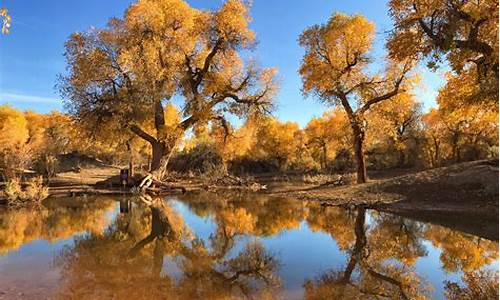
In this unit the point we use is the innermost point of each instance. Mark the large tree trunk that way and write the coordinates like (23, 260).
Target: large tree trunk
(402, 158)
(161, 157)
(359, 246)
(158, 152)
(130, 159)
(324, 157)
(161, 148)
(359, 138)
(437, 153)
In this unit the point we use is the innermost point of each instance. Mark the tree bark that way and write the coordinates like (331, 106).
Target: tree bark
(158, 152)
(161, 157)
(130, 159)
(402, 158)
(161, 149)
(437, 153)
(324, 156)
(359, 138)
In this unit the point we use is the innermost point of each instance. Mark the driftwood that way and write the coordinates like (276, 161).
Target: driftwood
(337, 182)
(228, 182)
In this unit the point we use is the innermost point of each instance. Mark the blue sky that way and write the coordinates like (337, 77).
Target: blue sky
(31, 56)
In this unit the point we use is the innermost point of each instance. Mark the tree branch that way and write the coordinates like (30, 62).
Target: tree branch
(388, 95)
(141, 133)
(389, 280)
(159, 115)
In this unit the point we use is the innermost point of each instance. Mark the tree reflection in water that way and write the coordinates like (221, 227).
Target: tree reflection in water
(382, 254)
(149, 252)
(365, 275)
(140, 253)
(61, 219)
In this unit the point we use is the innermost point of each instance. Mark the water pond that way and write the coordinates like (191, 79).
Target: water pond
(214, 247)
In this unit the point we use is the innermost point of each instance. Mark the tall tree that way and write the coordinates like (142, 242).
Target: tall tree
(327, 135)
(435, 134)
(397, 120)
(465, 31)
(276, 141)
(162, 49)
(335, 69)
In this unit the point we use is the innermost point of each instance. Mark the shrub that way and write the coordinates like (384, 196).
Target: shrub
(13, 189)
(253, 166)
(47, 165)
(204, 159)
(35, 191)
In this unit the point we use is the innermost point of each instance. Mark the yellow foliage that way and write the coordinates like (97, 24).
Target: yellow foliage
(462, 252)
(25, 225)
(331, 49)
(13, 128)
(328, 135)
(7, 19)
(276, 140)
(466, 32)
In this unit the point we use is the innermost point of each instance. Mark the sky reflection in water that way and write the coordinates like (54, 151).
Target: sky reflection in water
(214, 248)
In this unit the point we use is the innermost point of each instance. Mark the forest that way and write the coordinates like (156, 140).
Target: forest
(159, 91)
(173, 168)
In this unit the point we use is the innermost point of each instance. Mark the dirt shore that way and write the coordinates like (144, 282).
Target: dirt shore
(469, 188)
(463, 196)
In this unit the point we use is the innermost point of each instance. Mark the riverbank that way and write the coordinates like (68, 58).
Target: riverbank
(470, 187)
(462, 194)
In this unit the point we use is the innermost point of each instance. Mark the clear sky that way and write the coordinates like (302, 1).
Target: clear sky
(31, 56)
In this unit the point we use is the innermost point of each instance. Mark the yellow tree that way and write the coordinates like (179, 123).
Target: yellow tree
(471, 125)
(462, 252)
(374, 269)
(236, 143)
(13, 137)
(36, 124)
(327, 135)
(161, 49)
(435, 132)
(397, 121)
(465, 31)
(277, 141)
(335, 68)
(482, 284)
(470, 132)
(13, 128)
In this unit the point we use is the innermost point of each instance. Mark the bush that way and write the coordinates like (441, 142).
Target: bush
(47, 165)
(13, 189)
(253, 166)
(204, 159)
(35, 191)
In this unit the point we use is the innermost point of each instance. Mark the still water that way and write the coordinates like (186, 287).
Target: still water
(209, 247)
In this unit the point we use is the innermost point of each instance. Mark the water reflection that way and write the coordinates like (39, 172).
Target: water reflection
(59, 220)
(240, 248)
(141, 252)
(383, 263)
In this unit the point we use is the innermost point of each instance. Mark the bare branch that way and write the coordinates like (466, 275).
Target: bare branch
(143, 134)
